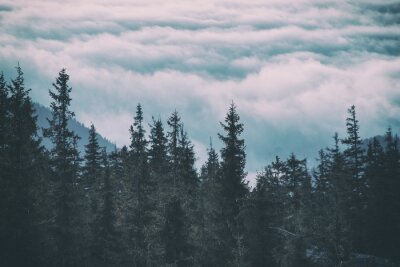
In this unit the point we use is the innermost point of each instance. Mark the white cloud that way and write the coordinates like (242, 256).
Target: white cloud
(292, 69)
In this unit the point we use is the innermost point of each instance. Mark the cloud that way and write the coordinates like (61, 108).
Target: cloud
(292, 69)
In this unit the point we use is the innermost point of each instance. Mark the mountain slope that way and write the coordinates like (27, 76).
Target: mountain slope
(80, 129)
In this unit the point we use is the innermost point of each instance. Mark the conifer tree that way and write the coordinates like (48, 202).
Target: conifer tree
(210, 208)
(92, 158)
(4, 128)
(388, 201)
(187, 175)
(233, 185)
(141, 189)
(264, 208)
(354, 161)
(175, 235)
(335, 233)
(158, 158)
(321, 175)
(23, 179)
(320, 204)
(119, 165)
(3, 117)
(68, 195)
(21, 152)
(92, 174)
(298, 185)
(159, 175)
(174, 123)
(188, 186)
(107, 237)
(376, 191)
(182, 194)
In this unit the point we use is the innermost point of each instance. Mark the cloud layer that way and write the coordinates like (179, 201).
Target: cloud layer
(292, 69)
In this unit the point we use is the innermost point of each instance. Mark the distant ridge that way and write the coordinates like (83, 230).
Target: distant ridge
(81, 130)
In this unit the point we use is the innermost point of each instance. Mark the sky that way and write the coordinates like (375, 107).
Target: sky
(292, 68)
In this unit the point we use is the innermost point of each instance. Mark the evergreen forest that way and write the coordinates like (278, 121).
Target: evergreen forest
(146, 204)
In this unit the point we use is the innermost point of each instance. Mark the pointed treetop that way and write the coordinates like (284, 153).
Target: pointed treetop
(16, 87)
(138, 140)
(3, 89)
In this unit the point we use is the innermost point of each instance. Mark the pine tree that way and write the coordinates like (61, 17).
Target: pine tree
(354, 151)
(373, 174)
(174, 122)
(335, 235)
(320, 204)
(264, 216)
(175, 234)
(22, 150)
(107, 237)
(159, 175)
(68, 196)
(20, 176)
(233, 185)
(388, 201)
(188, 186)
(182, 195)
(321, 175)
(354, 161)
(209, 211)
(158, 158)
(92, 172)
(119, 165)
(298, 185)
(187, 176)
(3, 117)
(4, 128)
(279, 194)
(141, 205)
(92, 158)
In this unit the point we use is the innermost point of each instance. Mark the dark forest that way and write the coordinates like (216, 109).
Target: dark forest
(147, 205)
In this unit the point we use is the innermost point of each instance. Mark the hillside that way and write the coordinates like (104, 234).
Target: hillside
(80, 129)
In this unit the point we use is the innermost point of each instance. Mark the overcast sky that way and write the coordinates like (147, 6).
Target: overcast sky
(292, 67)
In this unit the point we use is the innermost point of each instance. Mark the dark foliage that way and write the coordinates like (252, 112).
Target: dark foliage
(147, 205)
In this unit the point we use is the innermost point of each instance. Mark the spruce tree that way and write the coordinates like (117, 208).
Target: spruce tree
(320, 205)
(233, 186)
(187, 175)
(119, 165)
(321, 175)
(67, 194)
(3, 117)
(335, 235)
(264, 216)
(158, 158)
(175, 234)
(92, 174)
(389, 201)
(182, 195)
(141, 205)
(354, 153)
(174, 123)
(107, 237)
(298, 187)
(92, 159)
(376, 192)
(188, 186)
(354, 161)
(159, 175)
(4, 128)
(21, 152)
(210, 208)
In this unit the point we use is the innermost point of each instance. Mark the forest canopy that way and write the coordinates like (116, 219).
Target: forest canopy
(146, 204)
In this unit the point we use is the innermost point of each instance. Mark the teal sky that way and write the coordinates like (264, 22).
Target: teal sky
(292, 67)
